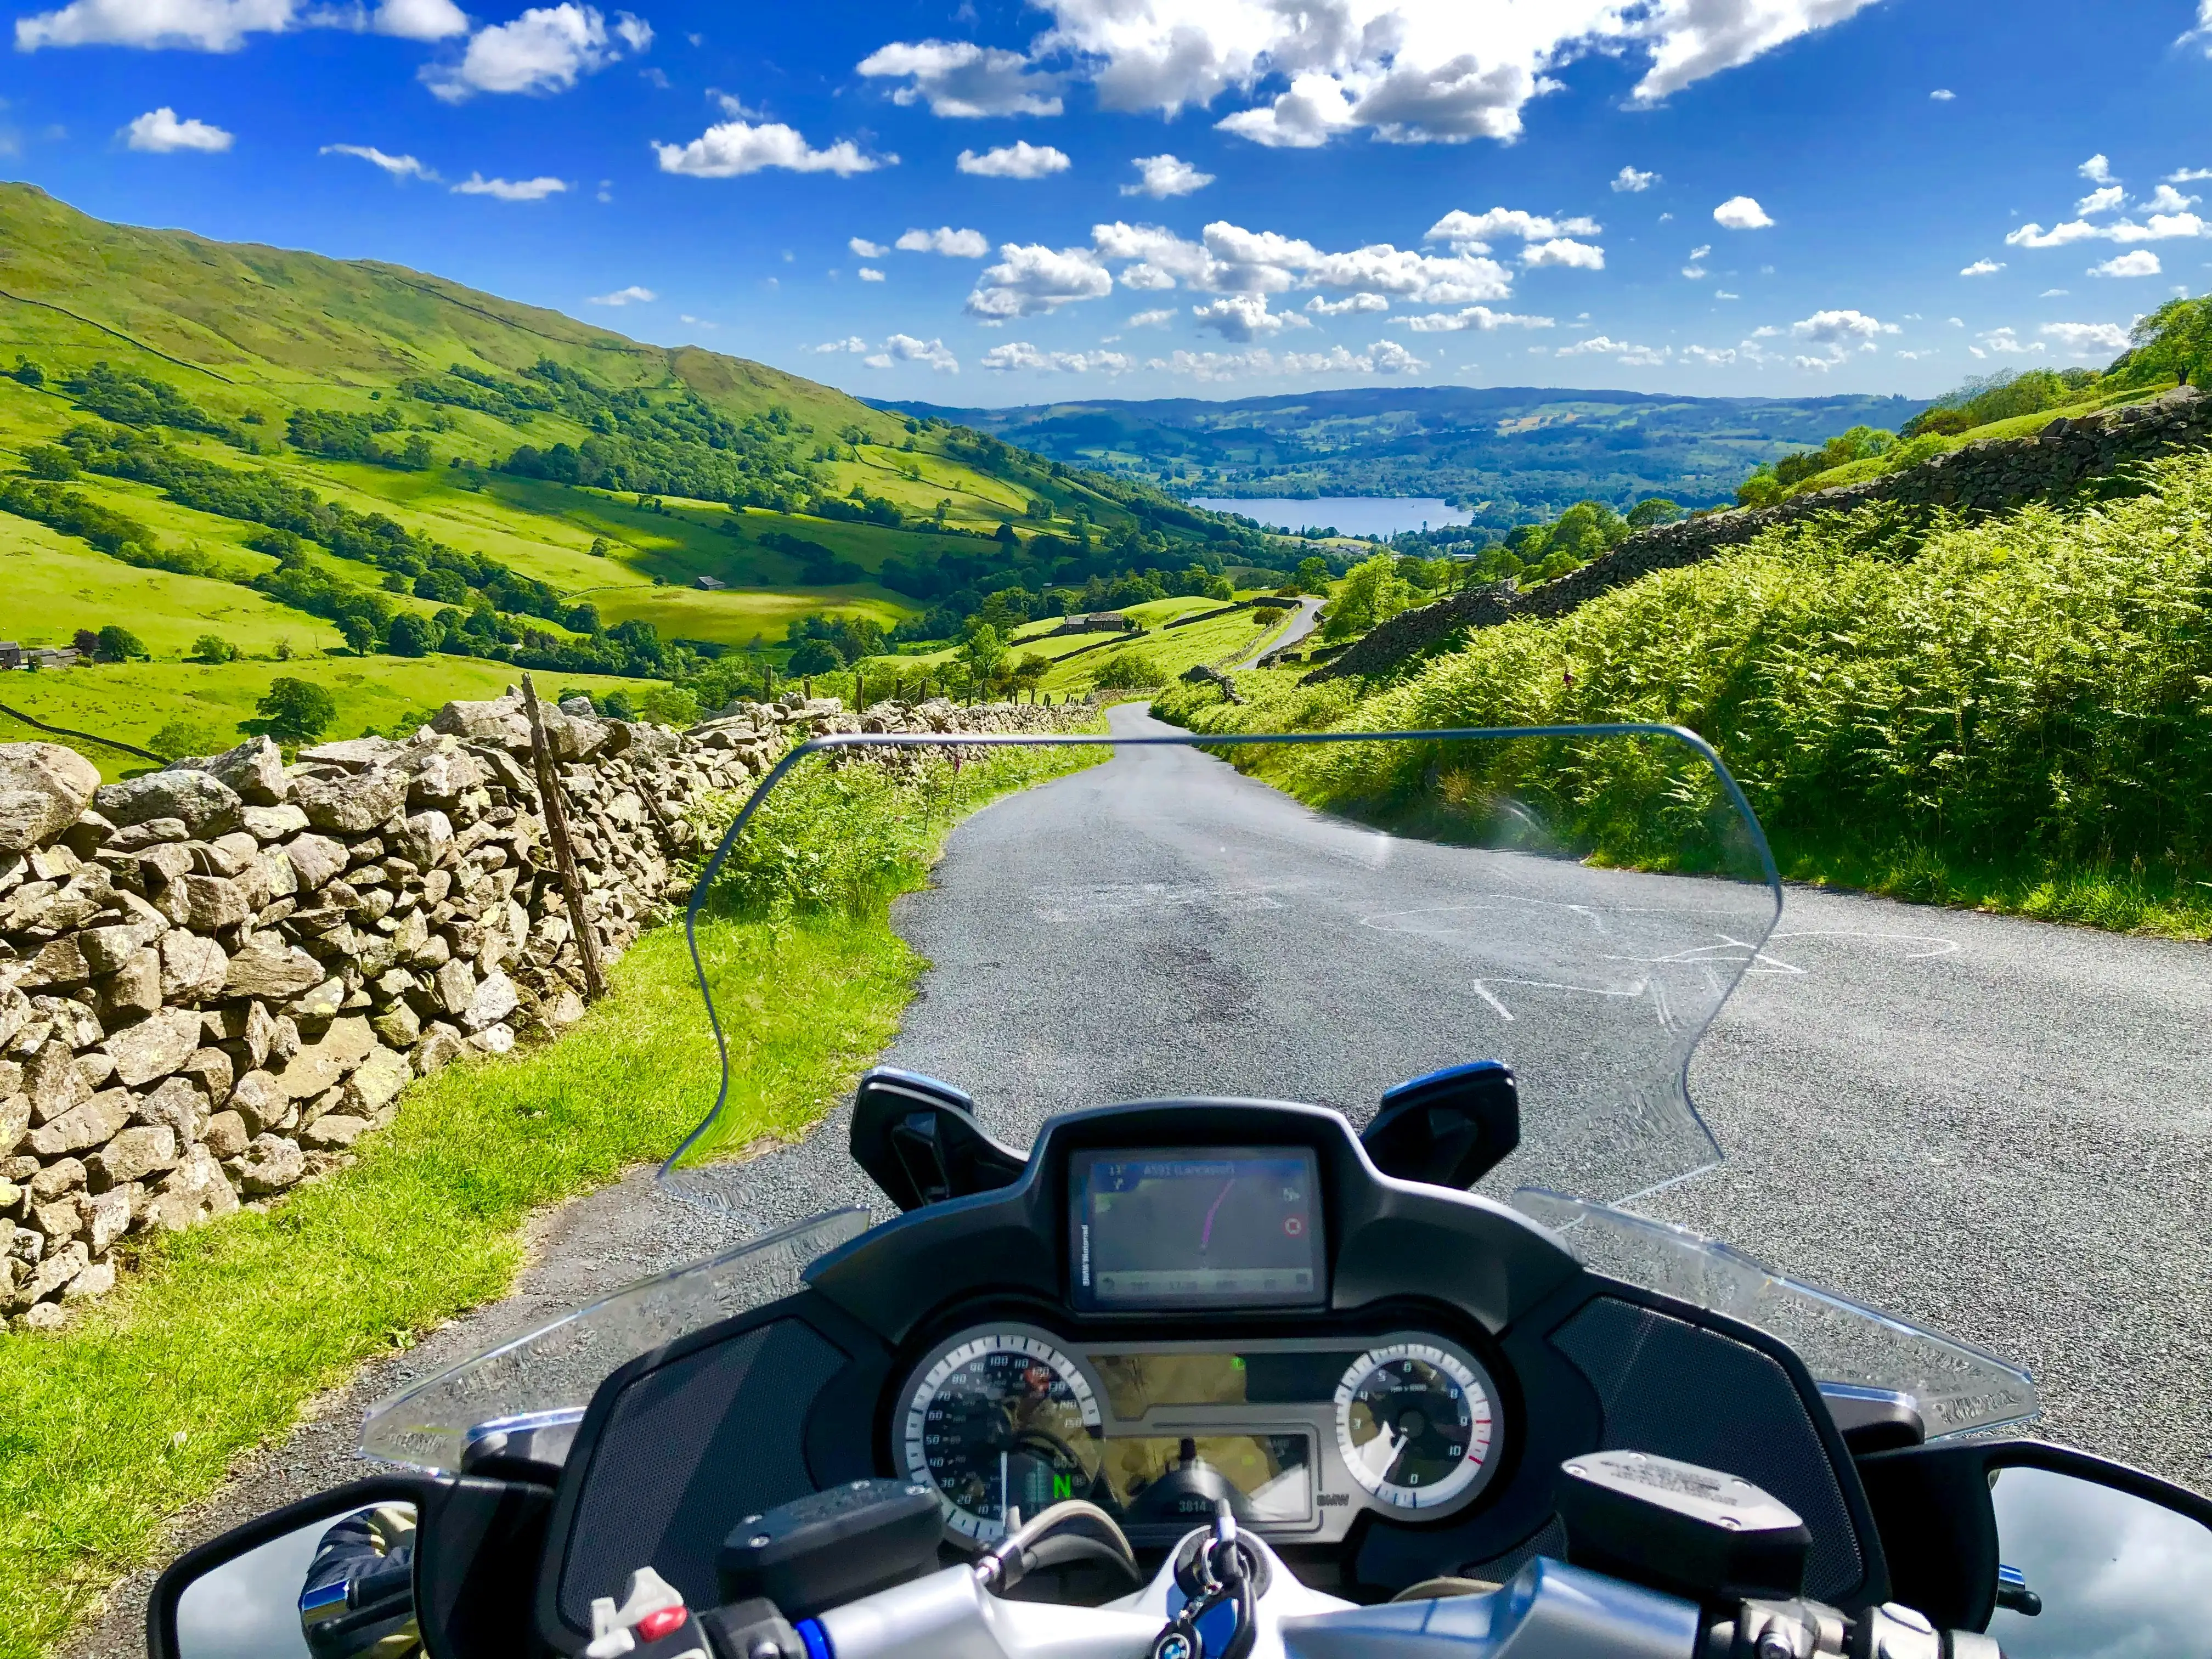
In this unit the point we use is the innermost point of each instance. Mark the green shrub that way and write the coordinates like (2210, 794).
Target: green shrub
(1127, 670)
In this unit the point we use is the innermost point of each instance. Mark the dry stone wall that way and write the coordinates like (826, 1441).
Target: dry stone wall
(214, 979)
(1997, 474)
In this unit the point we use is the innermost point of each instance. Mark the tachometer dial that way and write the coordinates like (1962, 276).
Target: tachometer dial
(998, 1419)
(1417, 1423)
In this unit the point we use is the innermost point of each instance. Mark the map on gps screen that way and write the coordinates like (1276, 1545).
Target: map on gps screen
(1191, 1228)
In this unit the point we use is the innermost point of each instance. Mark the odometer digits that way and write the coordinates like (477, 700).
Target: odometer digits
(1417, 1423)
(998, 1420)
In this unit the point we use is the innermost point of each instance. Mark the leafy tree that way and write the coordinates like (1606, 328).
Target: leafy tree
(1372, 592)
(50, 461)
(1653, 509)
(183, 737)
(1761, 488)
(664, 705)
(27, 373)
(117, 644)
(411, 636)
(85, 642)
(983, 655)
(360, 632)
(1029, 672)
(2175, 339)
(213, 647)
(1127, 670)
(295, 712)
(814, 657)
(1313, 575)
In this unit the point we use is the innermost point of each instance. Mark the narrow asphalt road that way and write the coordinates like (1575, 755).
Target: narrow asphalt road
(1997, 1128)
(1304, 622)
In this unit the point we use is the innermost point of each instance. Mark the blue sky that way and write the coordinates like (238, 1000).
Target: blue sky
(992, 203)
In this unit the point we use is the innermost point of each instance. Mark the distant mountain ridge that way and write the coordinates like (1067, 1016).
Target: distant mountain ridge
(1509, 453)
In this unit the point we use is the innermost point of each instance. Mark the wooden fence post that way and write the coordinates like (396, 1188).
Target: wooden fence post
(564, 854)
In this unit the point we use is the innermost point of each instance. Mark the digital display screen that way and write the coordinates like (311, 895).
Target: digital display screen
(1195, 1228)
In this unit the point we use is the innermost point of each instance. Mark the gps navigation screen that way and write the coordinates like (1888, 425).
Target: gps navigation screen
(1195, 1228)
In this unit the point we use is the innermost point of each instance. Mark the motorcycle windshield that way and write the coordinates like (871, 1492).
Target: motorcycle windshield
(1139, 914)
(1290, 918)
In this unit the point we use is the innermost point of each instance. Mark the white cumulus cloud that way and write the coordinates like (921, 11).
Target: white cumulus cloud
(729, 149)
(962, 80)
(510, 190)
(1244, 317)
(2167, 199)
(160, 131)
(1160, 319)
(632, 295)
(1982, 268)
(1942, 94)
(2006, 342)
(400, 166)
(1030, 278)
(1020, 354)
(1407, 71)
(545, 49)
(1630, 180)
(905, 349)
(1841, 328)
(870, 274)
(2106, 200)
(1163, 176)
(2098, 170)
(1019, 160)
(1474, 233)
(1621, 351)
(2087, 339)
(850, 342)
(1349, 304)
(224, 25)
(953, 244)
(1564, 251)
(866, 249)
(1475, 317)
(2141, 263)
(1228, 259)
(1740, 213)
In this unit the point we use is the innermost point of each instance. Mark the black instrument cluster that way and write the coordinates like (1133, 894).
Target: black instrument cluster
(1170, 1303)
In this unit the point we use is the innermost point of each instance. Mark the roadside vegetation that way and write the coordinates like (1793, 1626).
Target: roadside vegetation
(219, 1336)
(2010, 713)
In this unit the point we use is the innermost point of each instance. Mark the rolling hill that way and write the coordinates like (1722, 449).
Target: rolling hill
(1511, 454)
(311, 459)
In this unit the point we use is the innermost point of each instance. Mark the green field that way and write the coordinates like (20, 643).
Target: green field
(131, 702)
(1077, 657)
(242, 341)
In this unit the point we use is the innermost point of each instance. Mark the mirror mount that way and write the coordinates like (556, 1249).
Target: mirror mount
(1449, 1128)
(919, 1141)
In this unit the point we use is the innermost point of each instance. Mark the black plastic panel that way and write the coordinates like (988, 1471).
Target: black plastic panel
(683, 1449)
(1681, 1390)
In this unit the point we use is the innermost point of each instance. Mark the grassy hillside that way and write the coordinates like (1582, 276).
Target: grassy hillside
(327, 455)
(2012, 713)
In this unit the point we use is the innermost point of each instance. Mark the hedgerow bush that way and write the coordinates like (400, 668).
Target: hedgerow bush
(2034, 689)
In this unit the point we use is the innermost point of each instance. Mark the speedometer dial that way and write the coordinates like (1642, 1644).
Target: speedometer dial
(1417, 1423)
(1001, 1419)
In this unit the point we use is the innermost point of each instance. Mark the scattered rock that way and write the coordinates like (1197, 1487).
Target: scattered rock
(255, 769)
(268, 967)
(376, 1083)
(226, 1135)
(351, 803)
(268, 824)
(133, 1154)
(316, 860)
(492, 1000)
(334, 1129)
(193, 967)
(321, 1065)
(92, 1124)
(270, 1165)
(208, 805)
(43, 787)
(154, 1047)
